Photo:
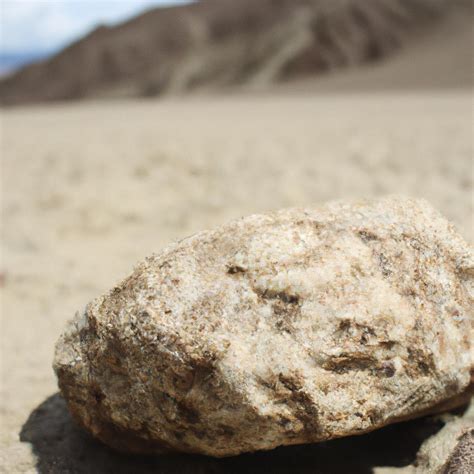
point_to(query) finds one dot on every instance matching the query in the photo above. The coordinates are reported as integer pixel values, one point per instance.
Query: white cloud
(45, 25)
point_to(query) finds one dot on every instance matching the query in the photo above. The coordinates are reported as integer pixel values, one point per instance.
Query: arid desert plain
(89, 189)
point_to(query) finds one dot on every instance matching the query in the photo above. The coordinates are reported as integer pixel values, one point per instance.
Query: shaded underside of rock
(291, 327)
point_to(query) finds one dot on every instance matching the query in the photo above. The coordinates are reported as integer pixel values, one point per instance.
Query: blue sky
(48, 25)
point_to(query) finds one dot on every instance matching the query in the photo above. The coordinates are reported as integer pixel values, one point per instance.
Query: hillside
(216, 44)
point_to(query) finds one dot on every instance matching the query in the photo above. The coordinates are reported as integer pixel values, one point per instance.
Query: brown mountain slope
(220, 43)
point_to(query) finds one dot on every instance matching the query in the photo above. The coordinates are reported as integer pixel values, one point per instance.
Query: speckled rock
(447, 451)
(451, 451)
(291, 327)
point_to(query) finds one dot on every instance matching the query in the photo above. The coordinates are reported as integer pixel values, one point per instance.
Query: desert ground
(88, 189)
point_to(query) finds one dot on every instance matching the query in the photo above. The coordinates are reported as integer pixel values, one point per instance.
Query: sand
(88, 189)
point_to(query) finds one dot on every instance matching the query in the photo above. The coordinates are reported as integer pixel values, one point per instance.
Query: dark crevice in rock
(423, 364)
(348, 328)
(387, 369)
(302, 405)
(367, 236)
(188, 413)
(280, 295)
(348, 362)
(234, 269)
(98, 395)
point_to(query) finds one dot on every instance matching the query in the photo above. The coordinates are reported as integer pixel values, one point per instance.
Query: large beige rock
(291, 327)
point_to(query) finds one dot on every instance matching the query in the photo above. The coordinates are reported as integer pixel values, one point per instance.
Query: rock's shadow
(62, 447)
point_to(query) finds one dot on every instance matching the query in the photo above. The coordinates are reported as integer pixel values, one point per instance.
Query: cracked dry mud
(291, 327)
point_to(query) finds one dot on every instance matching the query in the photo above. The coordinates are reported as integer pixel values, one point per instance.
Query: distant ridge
(10, 61)
(217, 44)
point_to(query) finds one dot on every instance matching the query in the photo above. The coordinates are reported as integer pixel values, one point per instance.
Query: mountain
(219, 44)
(10, 61)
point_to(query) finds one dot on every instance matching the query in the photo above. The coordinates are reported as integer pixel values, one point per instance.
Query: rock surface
(292, 327)
(451, 450)
(448, 451)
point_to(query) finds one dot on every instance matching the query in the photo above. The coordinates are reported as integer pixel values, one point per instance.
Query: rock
(461, 458)
(449, 451)
(292, 327)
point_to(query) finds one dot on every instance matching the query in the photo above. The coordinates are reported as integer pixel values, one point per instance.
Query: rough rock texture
(292, 327)
(451, 450)
(448, 451)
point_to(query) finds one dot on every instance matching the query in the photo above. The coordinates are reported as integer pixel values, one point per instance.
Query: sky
(45, 26)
